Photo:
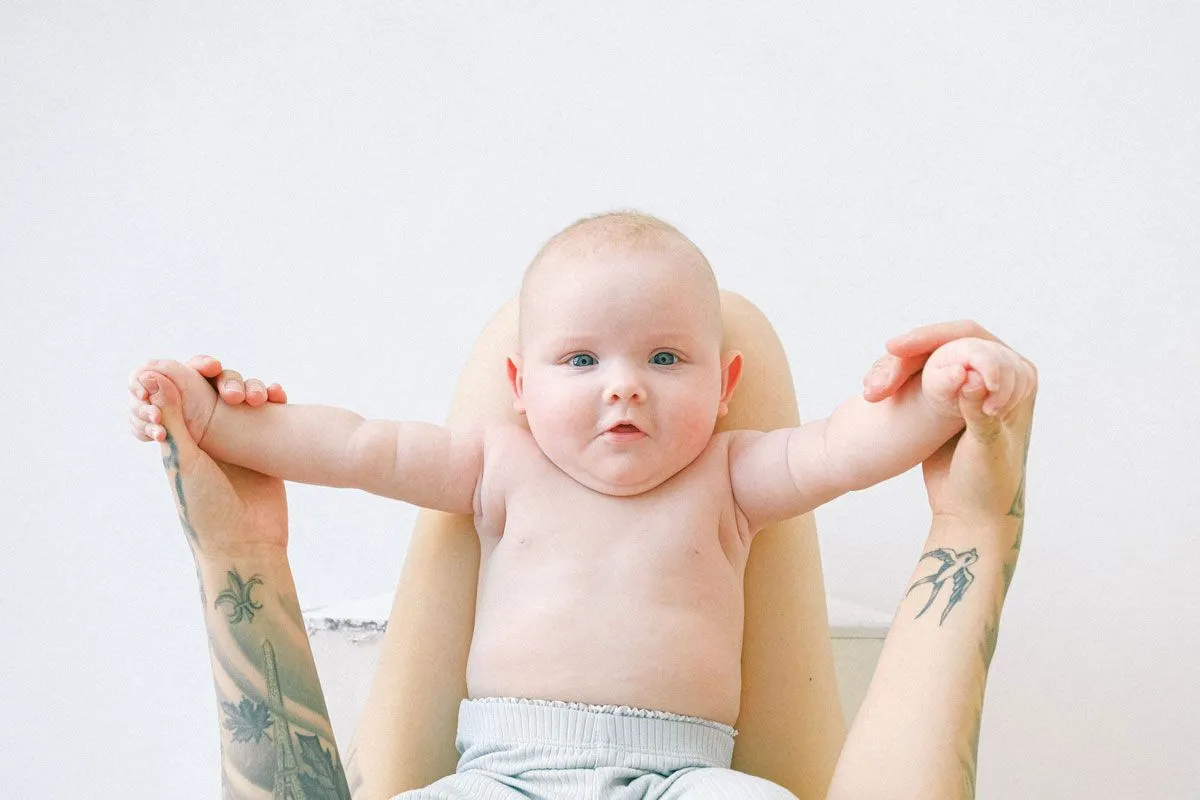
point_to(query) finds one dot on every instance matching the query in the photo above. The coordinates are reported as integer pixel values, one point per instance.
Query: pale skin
(622, 504)
(984, 465)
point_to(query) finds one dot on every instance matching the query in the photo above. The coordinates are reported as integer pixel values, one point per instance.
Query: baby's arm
(783, 473)
(426, 465)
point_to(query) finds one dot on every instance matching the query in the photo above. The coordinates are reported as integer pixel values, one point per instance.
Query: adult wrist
(983, 523)
(997, 534)
(256, 552)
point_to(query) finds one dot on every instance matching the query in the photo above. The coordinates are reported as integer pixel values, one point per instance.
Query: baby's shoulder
(726, 444)
(509, 452)
(504, 436)
(713, 462)
(508, 448)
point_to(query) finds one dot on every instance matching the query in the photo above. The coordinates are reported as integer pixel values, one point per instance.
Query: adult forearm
(274, 727)
(917, 732)
(303, 443)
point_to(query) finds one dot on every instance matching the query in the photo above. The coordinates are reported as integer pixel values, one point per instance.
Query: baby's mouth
(624, 428)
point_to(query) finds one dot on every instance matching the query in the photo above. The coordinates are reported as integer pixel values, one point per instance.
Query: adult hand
(231, 386)
(977, 477)
(224, 509)
(145, 419)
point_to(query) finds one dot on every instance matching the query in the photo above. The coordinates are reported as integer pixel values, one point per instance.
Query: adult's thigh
(791, 728)
(405, 738)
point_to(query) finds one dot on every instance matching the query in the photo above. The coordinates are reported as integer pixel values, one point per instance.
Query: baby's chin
(617, 486)
(634, 478)
(620, 474)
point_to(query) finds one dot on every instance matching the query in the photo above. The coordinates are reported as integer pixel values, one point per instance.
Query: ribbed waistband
(598, 734)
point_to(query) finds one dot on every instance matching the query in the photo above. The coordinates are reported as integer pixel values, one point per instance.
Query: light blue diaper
(569, 751)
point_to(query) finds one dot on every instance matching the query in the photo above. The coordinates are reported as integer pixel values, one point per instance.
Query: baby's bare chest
(687, 526)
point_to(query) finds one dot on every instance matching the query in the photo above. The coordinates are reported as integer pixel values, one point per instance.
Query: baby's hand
(145, 419)
(977, 370)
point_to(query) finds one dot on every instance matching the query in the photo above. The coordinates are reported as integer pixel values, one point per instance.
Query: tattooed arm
(917, 731)
(276, 739)
(274, 726)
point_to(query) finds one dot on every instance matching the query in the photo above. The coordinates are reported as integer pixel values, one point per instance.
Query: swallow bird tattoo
(954, 568)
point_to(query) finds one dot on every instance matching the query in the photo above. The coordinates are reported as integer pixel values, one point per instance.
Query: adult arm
(273, 726)
(917, 732)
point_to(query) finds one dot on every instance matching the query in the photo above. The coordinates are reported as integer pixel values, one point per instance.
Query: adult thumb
(981, 426)
(165, 394)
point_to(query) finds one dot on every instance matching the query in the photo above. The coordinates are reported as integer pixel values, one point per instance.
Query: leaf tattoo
(303, 769)
(247, 721)
(323, 778)
(238, 596)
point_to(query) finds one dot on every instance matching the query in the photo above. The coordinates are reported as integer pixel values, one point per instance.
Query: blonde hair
(623, 228)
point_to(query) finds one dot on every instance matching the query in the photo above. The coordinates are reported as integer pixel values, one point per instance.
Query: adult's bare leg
(791, 727)
(405, 738)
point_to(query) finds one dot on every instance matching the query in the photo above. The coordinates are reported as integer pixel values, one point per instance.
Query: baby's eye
(582, 360)
(664, 359)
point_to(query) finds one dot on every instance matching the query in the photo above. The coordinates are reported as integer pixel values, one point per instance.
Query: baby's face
(620, 372)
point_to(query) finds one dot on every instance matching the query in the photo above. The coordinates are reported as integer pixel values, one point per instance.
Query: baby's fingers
(142, 419)
(1005, 376)
(138, 429)
(142, 413)
(941, 384)
(136, 390)
(146, 419)
(1024, 385)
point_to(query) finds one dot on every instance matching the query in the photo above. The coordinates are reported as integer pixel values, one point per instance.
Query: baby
(615, 529)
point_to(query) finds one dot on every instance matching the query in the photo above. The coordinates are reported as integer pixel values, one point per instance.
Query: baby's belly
(611, 634)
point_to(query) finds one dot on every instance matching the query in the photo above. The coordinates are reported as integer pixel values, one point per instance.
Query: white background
(337, 195)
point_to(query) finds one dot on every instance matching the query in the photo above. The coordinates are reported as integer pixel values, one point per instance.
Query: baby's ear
(731, 373)
(516, 382)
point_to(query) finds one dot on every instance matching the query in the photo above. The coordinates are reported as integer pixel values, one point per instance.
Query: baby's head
(619, 370)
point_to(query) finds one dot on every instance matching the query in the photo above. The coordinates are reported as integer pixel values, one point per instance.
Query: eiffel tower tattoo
(287, 771)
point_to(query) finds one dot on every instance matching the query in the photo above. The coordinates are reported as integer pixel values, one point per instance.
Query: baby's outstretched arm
(426, 465)
(782, 473)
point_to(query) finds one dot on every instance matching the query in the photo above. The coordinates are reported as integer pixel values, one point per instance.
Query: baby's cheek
(696, 425)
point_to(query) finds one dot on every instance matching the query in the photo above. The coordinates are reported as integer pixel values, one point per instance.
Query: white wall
(337, 195)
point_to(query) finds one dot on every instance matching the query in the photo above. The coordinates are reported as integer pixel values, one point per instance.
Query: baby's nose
(624, 386)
